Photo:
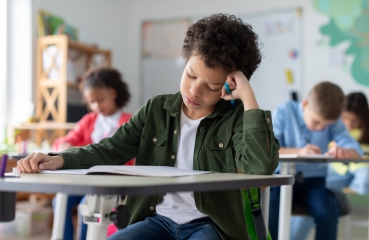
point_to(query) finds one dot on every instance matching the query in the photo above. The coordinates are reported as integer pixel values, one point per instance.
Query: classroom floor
(359, 230)
(359, 226)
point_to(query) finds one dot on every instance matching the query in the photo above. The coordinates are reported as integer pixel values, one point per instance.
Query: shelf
(73, 85)
(45, 126)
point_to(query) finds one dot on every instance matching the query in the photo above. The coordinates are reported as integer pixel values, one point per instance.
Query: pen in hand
(228, 90)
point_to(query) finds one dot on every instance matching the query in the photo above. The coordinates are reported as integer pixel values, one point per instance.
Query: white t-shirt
(105, 126)
(180, 206)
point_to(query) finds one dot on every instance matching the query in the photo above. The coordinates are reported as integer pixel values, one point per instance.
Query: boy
(193, 129)
(306, 128)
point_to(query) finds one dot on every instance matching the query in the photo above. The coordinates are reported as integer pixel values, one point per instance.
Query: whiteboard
(279, 33)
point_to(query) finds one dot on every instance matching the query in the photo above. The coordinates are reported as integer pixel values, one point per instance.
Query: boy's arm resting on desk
(254, 142)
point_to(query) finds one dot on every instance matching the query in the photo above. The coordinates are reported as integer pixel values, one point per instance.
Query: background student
(195, 128)
(306, 128)
(106, 94)
(355, 176)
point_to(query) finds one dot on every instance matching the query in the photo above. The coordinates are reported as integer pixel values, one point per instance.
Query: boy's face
(313, 120)
(200, 87)
(101, 100)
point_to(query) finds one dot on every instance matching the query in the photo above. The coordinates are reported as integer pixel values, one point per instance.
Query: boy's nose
(195, 90)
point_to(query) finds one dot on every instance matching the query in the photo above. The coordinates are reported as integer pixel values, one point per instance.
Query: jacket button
(268, 120)
(152, 208)
(172, 157)
(154, 140)
(175, 131)
(220, 145)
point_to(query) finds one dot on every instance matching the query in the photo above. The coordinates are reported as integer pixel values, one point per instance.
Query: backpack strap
(252, 197)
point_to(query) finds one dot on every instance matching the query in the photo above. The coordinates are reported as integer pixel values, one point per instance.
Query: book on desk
(148, 171)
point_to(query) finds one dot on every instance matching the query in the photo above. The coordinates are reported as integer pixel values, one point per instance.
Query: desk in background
(287, 167)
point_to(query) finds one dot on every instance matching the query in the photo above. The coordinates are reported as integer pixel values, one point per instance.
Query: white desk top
(307, 159)
(118, 184)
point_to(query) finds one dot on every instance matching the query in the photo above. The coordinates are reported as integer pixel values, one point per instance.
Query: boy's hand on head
(36, 162)
(310, 149)
(240, 89)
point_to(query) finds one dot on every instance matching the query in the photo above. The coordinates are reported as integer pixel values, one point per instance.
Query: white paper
(152, 171)
(67, 171)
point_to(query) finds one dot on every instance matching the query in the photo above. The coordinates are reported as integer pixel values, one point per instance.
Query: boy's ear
(304, 104)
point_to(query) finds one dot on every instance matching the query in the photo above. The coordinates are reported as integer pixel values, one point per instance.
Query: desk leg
(59, 216)
(285, 208)
(265, 196)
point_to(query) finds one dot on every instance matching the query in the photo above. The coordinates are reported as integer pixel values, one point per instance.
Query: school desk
(288, 167)
(124, 185)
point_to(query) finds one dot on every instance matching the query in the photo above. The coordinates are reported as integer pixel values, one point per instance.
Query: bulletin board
(278, 76)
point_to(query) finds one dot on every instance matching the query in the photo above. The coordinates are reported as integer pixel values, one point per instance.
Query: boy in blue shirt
(306, 128)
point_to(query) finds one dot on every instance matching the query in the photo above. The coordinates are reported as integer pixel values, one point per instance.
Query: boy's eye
(214, 90)
(190, 76)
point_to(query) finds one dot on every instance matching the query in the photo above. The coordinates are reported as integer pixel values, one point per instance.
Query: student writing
(317, 118)
(355, 176)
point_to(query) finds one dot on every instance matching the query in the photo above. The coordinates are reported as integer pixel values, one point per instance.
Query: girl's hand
(36, 162)
(338, 152)
(240, 89)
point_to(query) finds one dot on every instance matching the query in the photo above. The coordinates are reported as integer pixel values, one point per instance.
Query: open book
(150, 171)
(319, 156)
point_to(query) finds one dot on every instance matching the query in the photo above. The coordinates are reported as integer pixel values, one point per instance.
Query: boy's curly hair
(105, 77)
(223, 40)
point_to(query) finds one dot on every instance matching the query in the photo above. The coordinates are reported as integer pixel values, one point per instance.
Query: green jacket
(227, 140)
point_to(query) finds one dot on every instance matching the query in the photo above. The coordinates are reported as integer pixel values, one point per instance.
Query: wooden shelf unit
(53, 53)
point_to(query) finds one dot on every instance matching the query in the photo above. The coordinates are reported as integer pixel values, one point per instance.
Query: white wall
(3, 68)
(116, 25)
(103, 23)
(20, 67)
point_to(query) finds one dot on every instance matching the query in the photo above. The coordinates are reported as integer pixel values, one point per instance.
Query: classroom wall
(116, 25)
(20, 64)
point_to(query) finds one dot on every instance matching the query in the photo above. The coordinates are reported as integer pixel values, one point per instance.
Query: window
(3, 69)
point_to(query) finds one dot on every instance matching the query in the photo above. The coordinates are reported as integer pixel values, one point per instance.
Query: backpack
(254, 219)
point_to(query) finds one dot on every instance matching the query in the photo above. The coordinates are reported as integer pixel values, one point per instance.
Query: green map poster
(349, 21)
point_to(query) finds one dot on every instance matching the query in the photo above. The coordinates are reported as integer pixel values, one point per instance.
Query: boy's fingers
(20, 167)
(48, 165)
(224, 92)
(35, 161)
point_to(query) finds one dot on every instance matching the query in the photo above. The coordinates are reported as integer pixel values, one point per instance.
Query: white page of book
(152, 171)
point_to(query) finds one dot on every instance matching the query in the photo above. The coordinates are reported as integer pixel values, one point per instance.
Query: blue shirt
(290, 129)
